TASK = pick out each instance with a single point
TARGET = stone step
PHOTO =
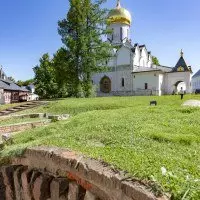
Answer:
(5, 111)
(12, 109)
(21, 107)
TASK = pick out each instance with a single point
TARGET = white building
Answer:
(196, 81)
(131, 70)
(32, 96)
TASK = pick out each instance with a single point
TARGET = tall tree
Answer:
(155, 60)
(45, 84)
(82, 32)
(63, 71)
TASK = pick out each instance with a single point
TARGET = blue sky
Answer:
(28, 28)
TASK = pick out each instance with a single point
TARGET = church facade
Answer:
(131, 70)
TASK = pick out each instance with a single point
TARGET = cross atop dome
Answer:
(182, 53)
(118, 4)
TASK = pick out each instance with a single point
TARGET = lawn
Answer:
(159, 144)
(5, 106)
(12, 120)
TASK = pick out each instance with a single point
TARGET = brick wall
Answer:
(56, 174)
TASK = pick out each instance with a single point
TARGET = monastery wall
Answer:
(116, 79)
(151, 78)
(172, 78)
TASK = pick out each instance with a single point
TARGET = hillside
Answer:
(157, 144)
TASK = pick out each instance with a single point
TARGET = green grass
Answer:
(130, 135)
(5, 106)
(8, 121)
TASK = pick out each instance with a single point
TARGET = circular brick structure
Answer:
(58, 174)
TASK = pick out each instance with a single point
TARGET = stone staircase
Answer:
(22, 107)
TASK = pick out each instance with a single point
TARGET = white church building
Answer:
(131, 70)
(196, 81)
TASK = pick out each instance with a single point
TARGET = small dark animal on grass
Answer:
(153, 103)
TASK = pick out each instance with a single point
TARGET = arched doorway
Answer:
(105, 84)
(180, 85)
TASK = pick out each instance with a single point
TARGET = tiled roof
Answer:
(145, 69)
(8, 85)
(164, 68)
(142, 46)
(2, 84)
(181, 63)
(154, 68)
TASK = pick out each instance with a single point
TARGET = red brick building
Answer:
(11, 92)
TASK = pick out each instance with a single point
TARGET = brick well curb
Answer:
(82, 177)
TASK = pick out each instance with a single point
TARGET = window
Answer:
(112, 35)
(146, 86)
(123, 82)
(121, 32)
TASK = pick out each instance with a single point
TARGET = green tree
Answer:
(28, 82)
(63, 71)
(20, 83)
(45, 81)
(155, 60)
(82, 32)
(25, 83)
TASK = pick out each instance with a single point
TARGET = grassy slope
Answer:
(5, 106)
(11, 120)
(131, 135)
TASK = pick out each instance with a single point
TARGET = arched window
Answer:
(105, 84)
(123, 82)
(121, 32)
(146, 86)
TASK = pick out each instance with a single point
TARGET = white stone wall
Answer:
(150, 61)
(112, 62)
(151, 78)
(172, 78)
(124, 56)
(195, 83)
(144, 58)
(161, 84)
(136, 58)
(116, 80)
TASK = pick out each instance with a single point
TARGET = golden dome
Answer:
(119, 15)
